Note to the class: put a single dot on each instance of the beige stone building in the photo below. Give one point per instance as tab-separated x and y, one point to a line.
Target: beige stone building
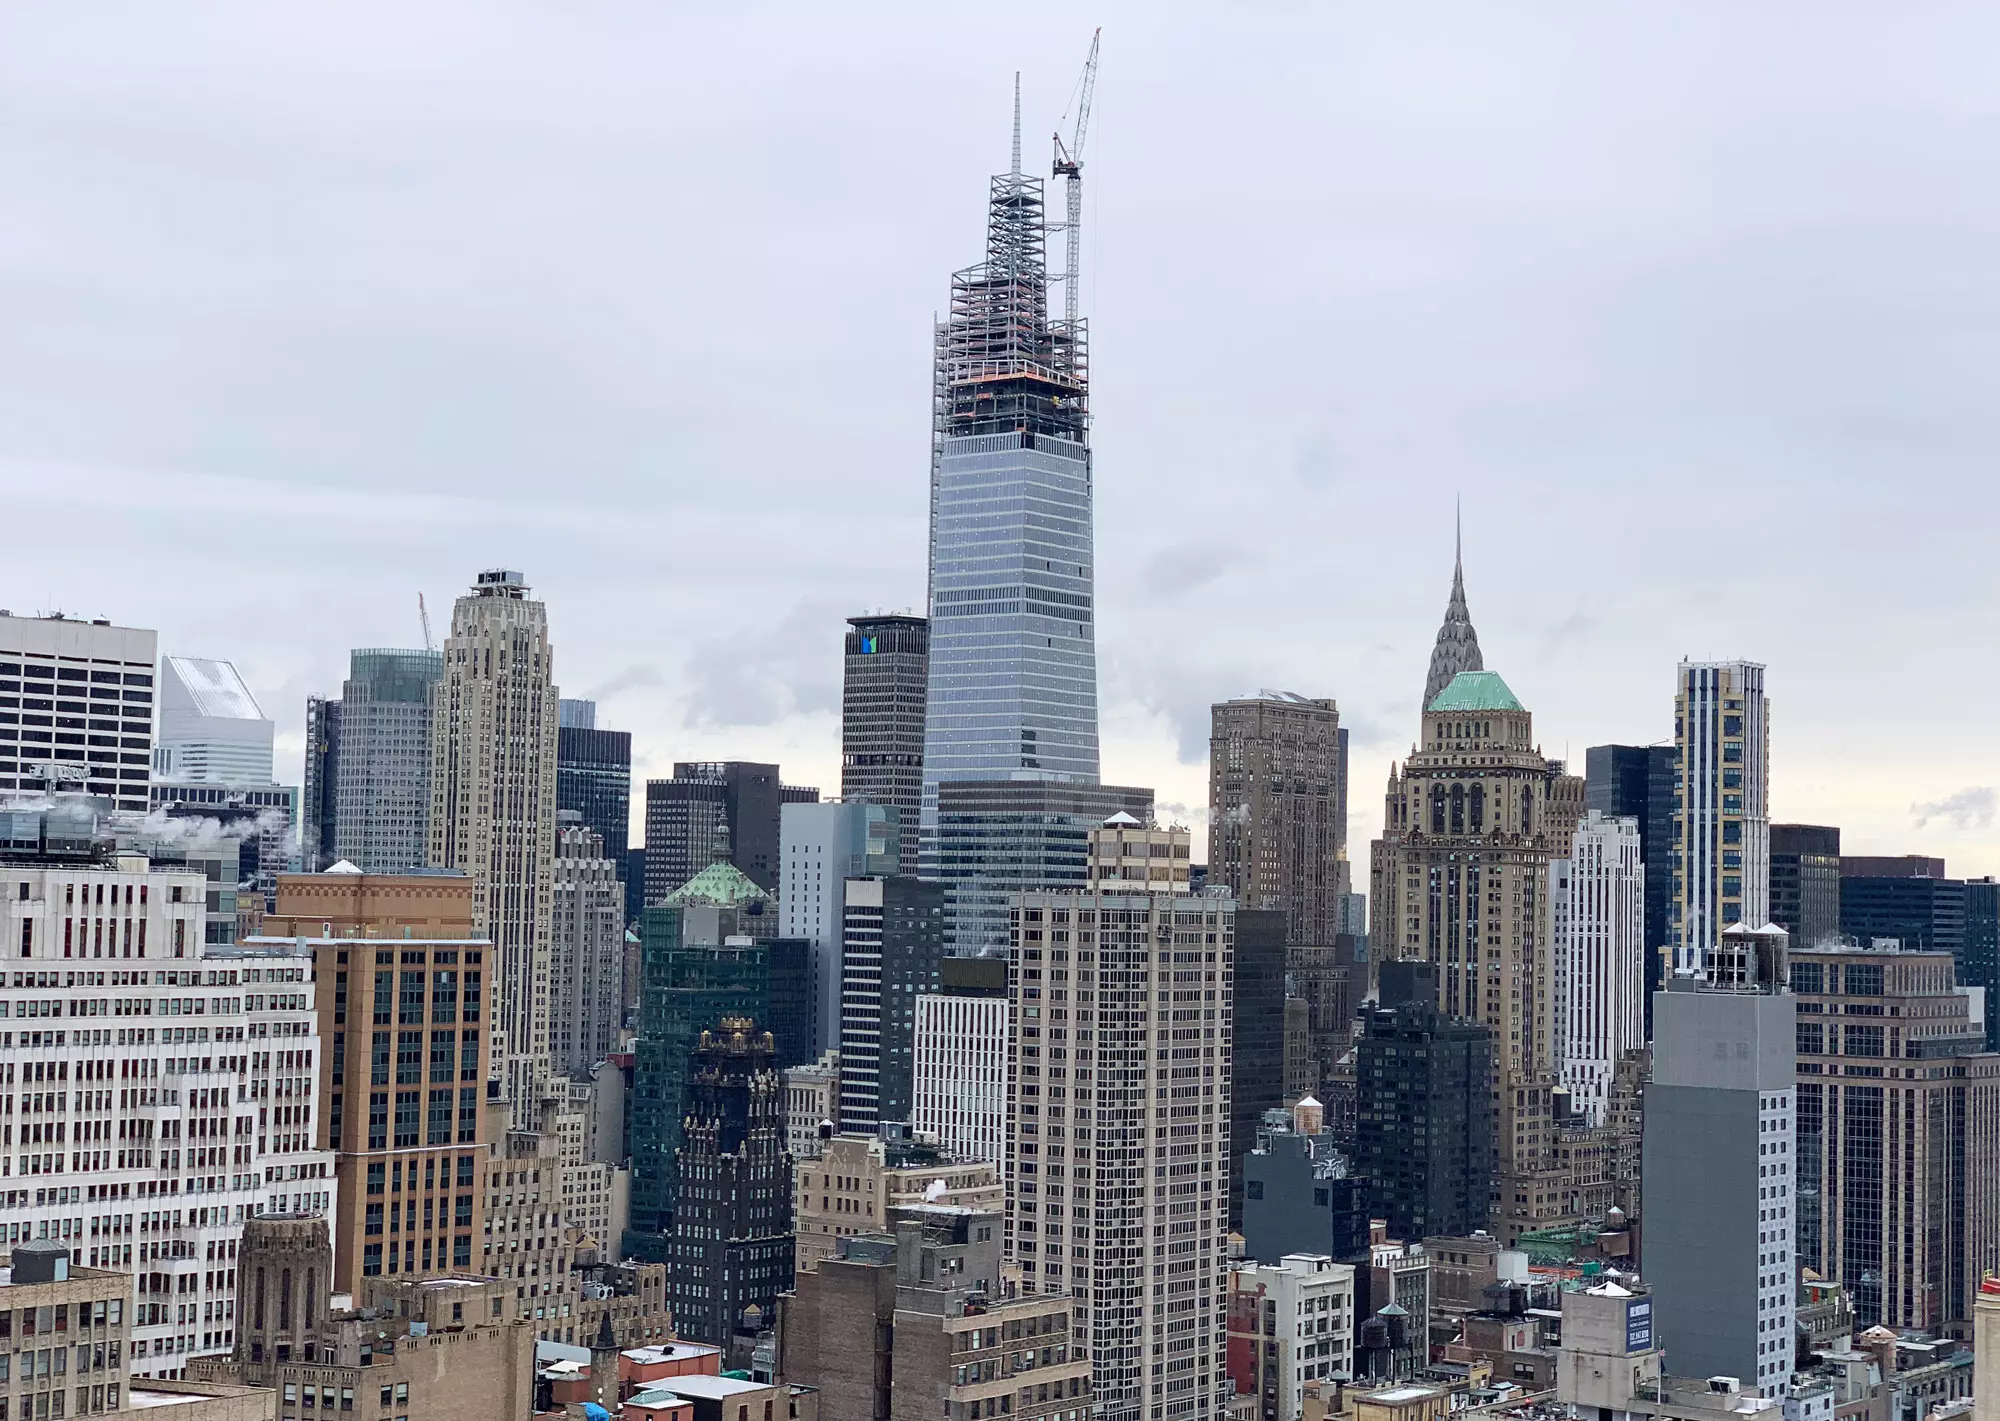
1129	857
1460	877
1277	809
850	1188
812	1099
493	805
447	1348
920	1322
1117	1166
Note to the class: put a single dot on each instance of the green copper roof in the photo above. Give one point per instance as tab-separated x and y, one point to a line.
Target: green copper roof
1476	691
721	884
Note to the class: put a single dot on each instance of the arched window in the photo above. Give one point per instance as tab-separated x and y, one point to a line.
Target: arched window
312	1296
1437	809
257	1313
1527	810
284	1300
1479	809
1458	809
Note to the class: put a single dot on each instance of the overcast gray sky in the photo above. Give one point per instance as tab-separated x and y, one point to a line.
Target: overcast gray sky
303	311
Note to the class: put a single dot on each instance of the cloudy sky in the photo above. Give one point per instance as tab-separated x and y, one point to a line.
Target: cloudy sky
305	310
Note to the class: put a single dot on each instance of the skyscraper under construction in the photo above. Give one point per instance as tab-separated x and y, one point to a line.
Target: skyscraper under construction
1013	659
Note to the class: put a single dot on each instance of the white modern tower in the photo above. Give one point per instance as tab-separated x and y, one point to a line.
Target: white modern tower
1599	893
211	728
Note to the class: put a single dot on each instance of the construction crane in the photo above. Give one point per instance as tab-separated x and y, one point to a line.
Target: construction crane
424	614
1069	164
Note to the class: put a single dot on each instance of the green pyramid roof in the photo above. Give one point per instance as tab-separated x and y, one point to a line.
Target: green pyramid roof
1476	691
722	884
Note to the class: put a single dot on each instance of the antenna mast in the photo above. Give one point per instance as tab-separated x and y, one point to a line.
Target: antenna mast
423	612
1069	164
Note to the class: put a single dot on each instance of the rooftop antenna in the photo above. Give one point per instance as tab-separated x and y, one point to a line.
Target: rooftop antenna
1069	164
1017	123
424	615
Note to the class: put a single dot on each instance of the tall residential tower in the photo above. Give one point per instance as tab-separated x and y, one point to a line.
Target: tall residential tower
1722	820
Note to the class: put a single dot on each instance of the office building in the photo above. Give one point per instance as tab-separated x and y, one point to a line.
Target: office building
1277	827
319	814
444	1347
1424	1091
812	1105
117	1129
493	804
211	727
1722	824
1290	1322
594	777
1805	881
731	1248
1013	657
883	693
1598	893
858	1182
1637	782
587	991
1119	999
1608	1361
406	1010
1256	1036
820	847
576	713
1980	965
1720	1202
380	764
699	967
958	1090
86	708
1897	1147
892	949
994	839
1300	1193
1460	878
1908	899
686	815
919	1319
258	823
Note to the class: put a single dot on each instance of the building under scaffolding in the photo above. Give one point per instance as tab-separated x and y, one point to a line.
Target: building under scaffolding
1013	670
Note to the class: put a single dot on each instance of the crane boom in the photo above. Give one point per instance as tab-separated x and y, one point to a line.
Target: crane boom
1069	165
424	614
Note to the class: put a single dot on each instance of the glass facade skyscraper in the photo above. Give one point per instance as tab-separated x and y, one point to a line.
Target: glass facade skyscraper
1013	658
382	776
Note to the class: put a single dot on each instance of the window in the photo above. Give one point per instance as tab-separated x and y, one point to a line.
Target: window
408	1103
438	1129
1253	1189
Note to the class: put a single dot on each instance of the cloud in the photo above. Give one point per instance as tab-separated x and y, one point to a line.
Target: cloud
632	678
763	675
1968	809
1178	570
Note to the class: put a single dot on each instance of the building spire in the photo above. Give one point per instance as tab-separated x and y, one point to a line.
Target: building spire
1017	123
1457	647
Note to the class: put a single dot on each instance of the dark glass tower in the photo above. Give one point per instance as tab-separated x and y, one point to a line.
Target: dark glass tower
320	817
1805	881
685	813
1908	899
1013	658
594	777
1980	966
731	1248
1424	1090
1257	1038
882	718
892	948
1637	782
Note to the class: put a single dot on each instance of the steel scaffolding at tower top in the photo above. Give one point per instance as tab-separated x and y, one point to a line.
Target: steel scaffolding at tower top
1003	367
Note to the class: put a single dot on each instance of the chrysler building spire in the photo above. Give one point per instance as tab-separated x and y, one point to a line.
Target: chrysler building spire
1457	646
